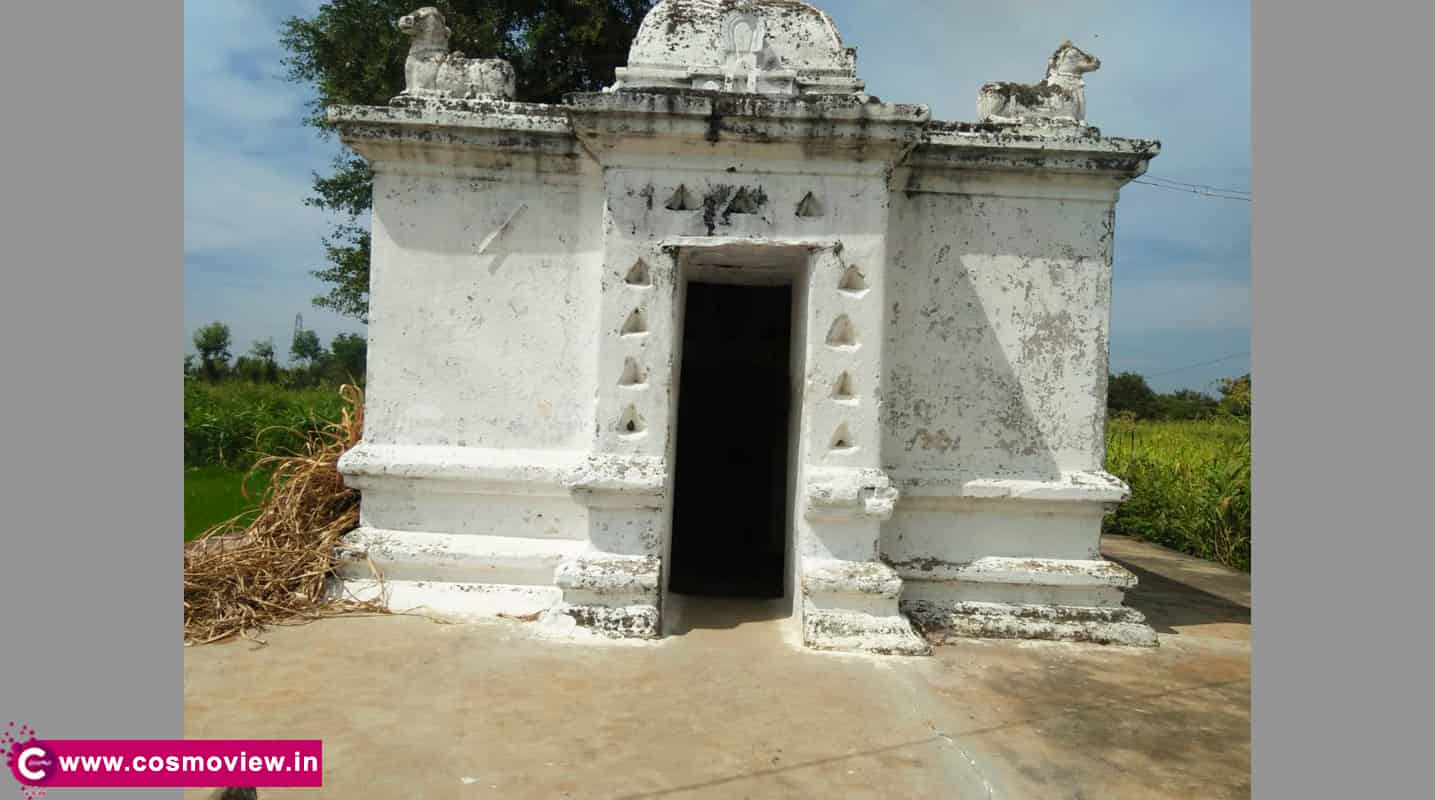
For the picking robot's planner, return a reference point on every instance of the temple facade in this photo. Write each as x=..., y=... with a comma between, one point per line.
x=733, y=326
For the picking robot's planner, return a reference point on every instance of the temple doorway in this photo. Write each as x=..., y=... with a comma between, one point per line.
x=730, y=514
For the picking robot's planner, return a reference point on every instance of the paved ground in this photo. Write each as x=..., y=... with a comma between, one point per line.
x=730, y=708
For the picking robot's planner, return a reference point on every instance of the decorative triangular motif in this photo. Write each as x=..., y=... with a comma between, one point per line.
x=631, y=424
x=682, y=200
x=639, y=275
x=853, y=282
x=842, y=333
x=637, y=324
x=843, y=390
x=632, y=374
x=743, y=203
x=811, y=207
x=842, y=440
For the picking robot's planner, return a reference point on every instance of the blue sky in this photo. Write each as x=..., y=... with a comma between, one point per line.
x=1174, y=71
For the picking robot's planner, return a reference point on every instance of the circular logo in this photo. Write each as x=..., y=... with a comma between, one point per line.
x=34, y=763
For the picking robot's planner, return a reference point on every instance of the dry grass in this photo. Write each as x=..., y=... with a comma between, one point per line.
x=241, y=579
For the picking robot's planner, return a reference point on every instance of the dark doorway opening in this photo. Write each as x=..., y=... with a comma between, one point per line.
x=730, y=490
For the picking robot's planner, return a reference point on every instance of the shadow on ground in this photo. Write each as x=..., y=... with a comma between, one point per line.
x=1177, y=592
x=684, y=614
x=1170, y=605
x=731, y=706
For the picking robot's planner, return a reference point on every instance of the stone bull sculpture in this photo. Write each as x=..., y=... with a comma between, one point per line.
x=432, y=71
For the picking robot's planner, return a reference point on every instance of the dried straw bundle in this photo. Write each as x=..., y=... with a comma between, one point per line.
x=238, y=580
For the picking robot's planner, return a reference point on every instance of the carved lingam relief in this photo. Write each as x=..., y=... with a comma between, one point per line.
x=747, y=55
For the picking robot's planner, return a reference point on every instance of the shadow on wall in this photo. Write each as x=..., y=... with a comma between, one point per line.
x=488, y=220
x=955, y=402
x=470, y=271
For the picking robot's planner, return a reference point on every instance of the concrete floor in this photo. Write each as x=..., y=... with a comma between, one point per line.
x=729, y=707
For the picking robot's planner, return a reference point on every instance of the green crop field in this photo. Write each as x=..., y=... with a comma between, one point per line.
x=232, y=424
x=216, y=494
x=1190, y=486
x=227, y=428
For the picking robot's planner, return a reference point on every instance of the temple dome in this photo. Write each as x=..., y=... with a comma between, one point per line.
x=755, y=46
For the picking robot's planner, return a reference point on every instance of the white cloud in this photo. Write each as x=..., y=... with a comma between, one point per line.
x=218, y=36
x=245, y=204
x=249, y=240
x=244, y=189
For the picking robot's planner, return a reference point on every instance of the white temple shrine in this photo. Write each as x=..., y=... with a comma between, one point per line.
x=735, y=327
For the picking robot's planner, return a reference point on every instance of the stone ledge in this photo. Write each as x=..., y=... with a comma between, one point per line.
x=437, y=130
x=1003, y=148
x=1074, y=488
x=587, y=477
x=849, y=493
x=834, y=577
x=452, y=137
x=623, y=622
x=453, y=601
x=609, y=574
x=619, y=481
x=645, y=128
x=464, y=558
x=707, y=103
x=1020, y=571
x=473, y=470
x=837, y=630
x=1098, y=625
x=1059, y=138
x=457, y=114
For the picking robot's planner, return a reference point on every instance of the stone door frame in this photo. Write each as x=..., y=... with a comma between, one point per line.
x=748, y=263
x=836, y=347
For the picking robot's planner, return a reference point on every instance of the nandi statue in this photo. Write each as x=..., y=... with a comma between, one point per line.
x=432, y=71
x=1059, y=99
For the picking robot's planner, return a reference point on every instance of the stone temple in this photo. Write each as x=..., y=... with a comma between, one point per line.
x=733, y=326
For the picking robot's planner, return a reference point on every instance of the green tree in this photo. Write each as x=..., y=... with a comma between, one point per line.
x=212, y=342
x=1128, y=392
x=258, y=365
x=249, y=368
x=1236, y=395
x=263, y=352
x=1186, y=404
x=351, y=53
x=350, y=353
x=306, y=347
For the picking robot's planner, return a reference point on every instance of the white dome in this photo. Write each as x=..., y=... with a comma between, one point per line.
x=759, y=46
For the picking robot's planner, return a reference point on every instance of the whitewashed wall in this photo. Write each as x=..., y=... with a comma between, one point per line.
x=997, y=333
x=483, y=347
